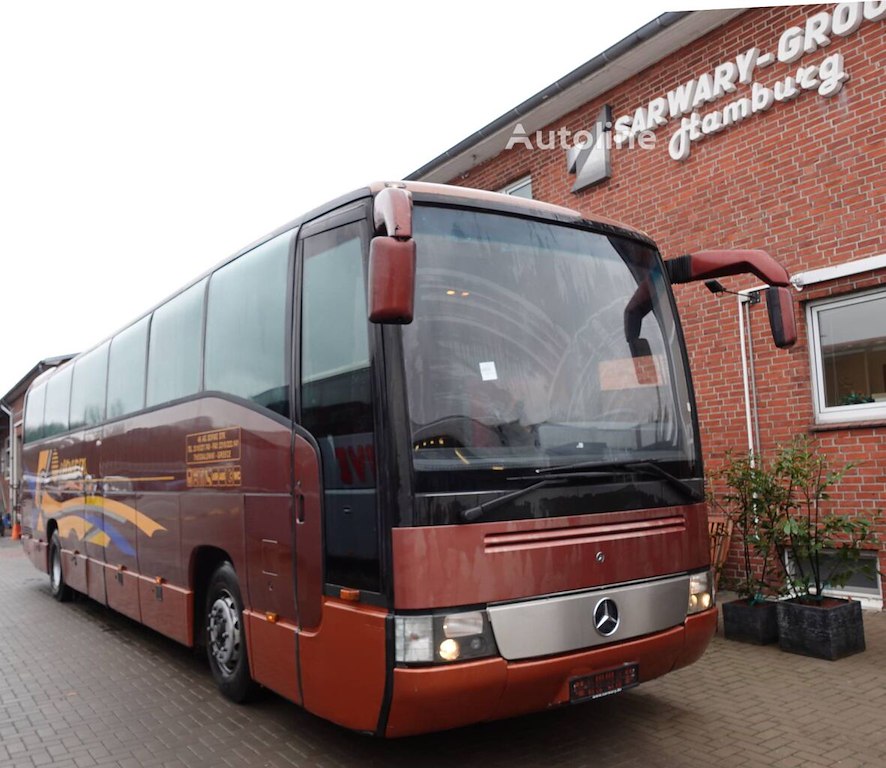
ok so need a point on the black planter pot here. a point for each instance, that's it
(748, 623)
(829, 630)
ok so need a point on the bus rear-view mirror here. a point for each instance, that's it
(391, 280)
(780, 306)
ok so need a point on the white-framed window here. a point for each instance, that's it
(864, 585)
(519, 188)
(847, 345)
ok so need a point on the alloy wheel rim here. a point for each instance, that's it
(56, 570)
(224, 633)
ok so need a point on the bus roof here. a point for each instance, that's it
(425, 189)
(422, 191)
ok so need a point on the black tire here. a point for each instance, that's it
(226, 635)
(57, 587)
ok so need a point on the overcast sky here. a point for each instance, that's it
(140, 143)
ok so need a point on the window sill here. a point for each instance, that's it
(841, 425)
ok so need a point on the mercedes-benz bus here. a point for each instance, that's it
(423, 457)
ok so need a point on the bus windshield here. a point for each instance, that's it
(517, 358)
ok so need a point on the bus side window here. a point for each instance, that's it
(174, 348)
(246, 327)
(58, 402)
(335, 336)
(88, 388)
(336, 401)
(126, 370)
(34, 406)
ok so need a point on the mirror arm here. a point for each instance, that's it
(637, 308)
(392, 212)
(704, 265)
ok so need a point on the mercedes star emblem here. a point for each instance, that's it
(606, 619)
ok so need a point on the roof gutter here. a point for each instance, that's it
(846, 269)
(21, 387)
(600, 61)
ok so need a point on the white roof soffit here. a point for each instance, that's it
(614, 69)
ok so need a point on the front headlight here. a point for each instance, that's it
(443, 638)
(701, 592)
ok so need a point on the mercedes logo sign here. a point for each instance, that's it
(606, 618)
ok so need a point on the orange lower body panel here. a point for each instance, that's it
(437, 698)
(343, 665)
(121, 590)
(699, 631)
(95, 581)
(37, 551)
(74, 570)
(168, 609)
(272, 654)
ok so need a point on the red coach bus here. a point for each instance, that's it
(424, 457)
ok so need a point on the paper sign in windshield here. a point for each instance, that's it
(487, 371)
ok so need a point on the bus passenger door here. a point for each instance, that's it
(336, 412)
(342, 641)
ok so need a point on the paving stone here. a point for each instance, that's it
(81, 686)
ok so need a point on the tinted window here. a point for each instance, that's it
(336, 399)
(58, 401)
(88, 388)
(524, 353)
(126, 370)
(334, 326)
(174, 347)
(34, 413)
(246, 326)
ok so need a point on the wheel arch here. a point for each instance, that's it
(204, 561)
(64, 592)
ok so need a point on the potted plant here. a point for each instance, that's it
(753, 500)
(818, 548)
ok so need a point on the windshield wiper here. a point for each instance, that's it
(636, 467)
(469, 515)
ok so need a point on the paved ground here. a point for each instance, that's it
(81, 686)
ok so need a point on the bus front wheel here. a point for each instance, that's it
(60, 591)
(226, 636)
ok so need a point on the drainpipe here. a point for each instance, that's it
(13, 468)
(746, 299)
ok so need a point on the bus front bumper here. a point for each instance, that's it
(437, 698)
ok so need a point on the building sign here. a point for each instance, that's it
(686, 102)
(587, 151)
(589, 160)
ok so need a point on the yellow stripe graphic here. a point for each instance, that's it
(73, 522)
(99, 538)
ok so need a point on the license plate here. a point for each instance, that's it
(604, 683)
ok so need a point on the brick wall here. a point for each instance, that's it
(804, 180)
